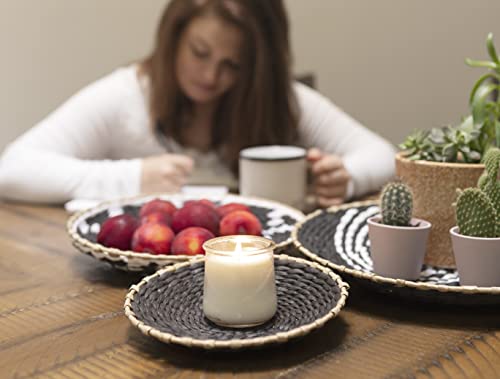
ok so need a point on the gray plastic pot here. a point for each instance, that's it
(398, 251)
(478, 259)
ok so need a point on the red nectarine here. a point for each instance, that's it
(190, 241)
(152, 238)
(231, 207)
(157, 217)
(240, 222)
(201, 201)
(196, 214)
(117, 231)
(157, 205)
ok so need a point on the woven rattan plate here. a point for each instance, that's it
(168, 306)
(277, 220)
(338, 238)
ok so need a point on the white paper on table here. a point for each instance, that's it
(77, 205)
(201, 191)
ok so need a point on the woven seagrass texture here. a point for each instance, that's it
(168, 305)
(317, 235)
(338, 238)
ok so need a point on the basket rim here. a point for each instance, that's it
(211, 344)
(124, 255)
(402, 156)
(439, 288)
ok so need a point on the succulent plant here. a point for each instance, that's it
(396, 203)
(478, 209)
(484, 98)
(468, 141)
(491, 165)
(476, 215)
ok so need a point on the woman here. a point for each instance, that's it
(218, 80)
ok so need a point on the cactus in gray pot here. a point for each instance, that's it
(396, 203)
(478, 209)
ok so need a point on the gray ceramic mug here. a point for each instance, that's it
(274, 172)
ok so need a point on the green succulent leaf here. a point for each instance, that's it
(465, 149)
(473, 156)
(491, 48)
(480, 102)
(450, 151)
(437, 136)
(480, 82)
(474, 63)
(467, 124)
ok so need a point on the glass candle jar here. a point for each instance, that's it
(239, 289)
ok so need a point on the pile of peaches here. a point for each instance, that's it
(162, 228)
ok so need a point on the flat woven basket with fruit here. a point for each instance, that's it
(145, 233)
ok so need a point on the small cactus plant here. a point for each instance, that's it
(478, 209)
(396, 203)
(489, 182)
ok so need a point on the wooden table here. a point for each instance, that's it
(61, 316)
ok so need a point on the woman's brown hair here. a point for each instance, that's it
(260, 109)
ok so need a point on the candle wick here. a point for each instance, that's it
(239, 248)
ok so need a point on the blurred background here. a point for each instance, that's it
(395, 65)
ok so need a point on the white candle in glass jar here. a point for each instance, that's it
(239, 288)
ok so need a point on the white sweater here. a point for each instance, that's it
(91, 147)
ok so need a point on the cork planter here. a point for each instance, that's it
(434, 187)
(478, 259)
(398, 251)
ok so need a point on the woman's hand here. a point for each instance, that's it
(330, 178)
(165, 173)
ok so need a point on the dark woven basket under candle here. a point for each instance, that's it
(168, 306)
(338, 238)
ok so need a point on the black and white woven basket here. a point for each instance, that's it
(277, 221)
(338, 238)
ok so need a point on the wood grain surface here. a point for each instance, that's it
(61, 316)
